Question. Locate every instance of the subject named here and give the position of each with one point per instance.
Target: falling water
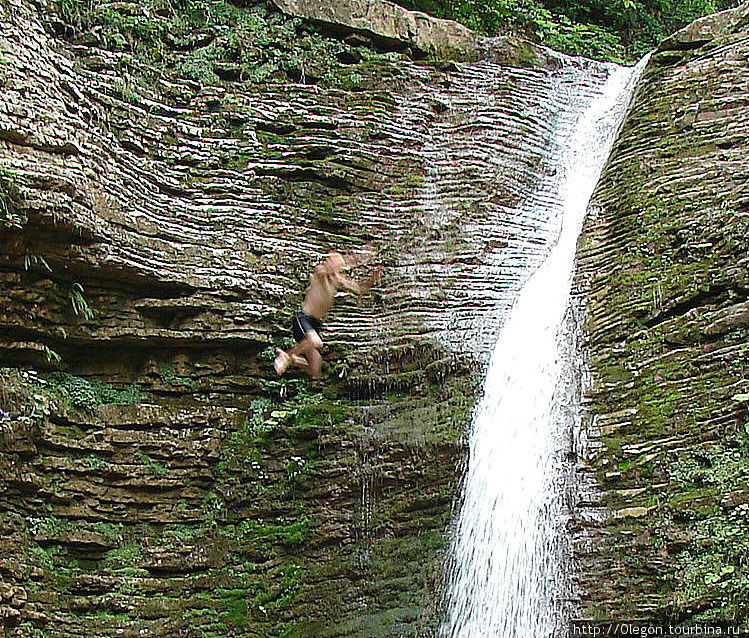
(507, 577)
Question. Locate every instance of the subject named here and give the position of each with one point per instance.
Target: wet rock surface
(663, 259)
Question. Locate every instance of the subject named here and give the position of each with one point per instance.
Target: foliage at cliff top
(217, 40)
(616, 30)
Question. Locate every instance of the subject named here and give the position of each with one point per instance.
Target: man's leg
(311, 340)
(314, 360)
(310, 343)
(308, 356)
(282, 361)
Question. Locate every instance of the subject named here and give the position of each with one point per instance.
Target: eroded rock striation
(665, 262)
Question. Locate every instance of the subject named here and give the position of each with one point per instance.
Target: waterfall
(508, 556)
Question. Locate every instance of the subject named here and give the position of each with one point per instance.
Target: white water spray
(507, 579)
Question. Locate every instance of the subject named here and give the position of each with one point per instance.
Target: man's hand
(362, 286)
(360, 258)
(373, 280)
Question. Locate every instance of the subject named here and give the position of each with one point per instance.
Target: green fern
(78, 302)
(10, 184)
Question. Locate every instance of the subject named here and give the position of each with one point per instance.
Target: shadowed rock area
(664, 261)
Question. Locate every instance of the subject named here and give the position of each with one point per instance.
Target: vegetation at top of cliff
(611, 29)
(216, 40)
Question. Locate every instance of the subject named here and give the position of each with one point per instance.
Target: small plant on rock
(78, 302)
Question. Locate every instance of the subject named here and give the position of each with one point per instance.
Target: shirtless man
(324, 282)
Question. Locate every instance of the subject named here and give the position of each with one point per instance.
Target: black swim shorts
(303, 323)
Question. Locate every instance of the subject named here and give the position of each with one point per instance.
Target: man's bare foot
(300, 360)
(282, 362)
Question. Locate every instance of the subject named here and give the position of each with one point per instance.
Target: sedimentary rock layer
(665, 264)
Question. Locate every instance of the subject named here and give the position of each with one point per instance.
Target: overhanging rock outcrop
(396, 27)
(389, 22)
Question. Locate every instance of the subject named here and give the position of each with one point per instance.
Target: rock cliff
(165, 191)
(664, 262)
(168, 179)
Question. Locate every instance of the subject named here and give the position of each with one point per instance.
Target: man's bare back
(324, 282)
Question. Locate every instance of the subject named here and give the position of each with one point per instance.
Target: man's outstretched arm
(359, 258)
(360, 287)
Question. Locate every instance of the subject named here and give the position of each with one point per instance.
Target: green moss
(96, 462)
(268, 137)
(159, 469)
(237, 608)
(302, 417)
(84, 394)
(277, 590)
(326, 213)
(286, 533)
(168, 375)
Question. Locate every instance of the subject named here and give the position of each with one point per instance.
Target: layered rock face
(156, 239)
(156, 235)
(665, 264)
